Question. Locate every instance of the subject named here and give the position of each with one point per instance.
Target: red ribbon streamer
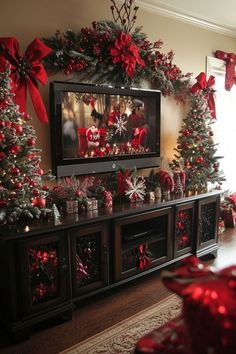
(205, 85)
(26, 71)
(230, 60)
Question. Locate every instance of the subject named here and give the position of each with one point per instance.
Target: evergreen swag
(22, 195)
(110, 53)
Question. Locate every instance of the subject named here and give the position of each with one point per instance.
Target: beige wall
(28, 19)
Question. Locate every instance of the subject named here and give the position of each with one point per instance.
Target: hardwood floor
(104, 311)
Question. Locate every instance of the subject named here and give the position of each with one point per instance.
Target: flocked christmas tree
(196, 151)
(21, 193)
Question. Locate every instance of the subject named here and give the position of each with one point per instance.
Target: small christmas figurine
(55, 212)
(179, 180)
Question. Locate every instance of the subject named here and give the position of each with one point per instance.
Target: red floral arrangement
(110, 52)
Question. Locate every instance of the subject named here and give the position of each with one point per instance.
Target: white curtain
(225, 126)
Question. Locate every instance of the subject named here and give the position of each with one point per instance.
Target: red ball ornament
(31, 142)
(8, 124)
(26, 117)
(2, 155)
(15, 171)
(199, 159)
(45, 188)
(18, 128)
(211, 133)
(18, 185)
(39, 202)
(3, 203)
(15, 149)
(78, 193)
(33, 183)
(27, 179)
(2, 137)
(40, 172)
(36, 193)
(2, 124)
(186, 146)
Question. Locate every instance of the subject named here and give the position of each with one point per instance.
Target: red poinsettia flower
(127, 52)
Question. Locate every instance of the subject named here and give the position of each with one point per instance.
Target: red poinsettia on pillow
(125, 51)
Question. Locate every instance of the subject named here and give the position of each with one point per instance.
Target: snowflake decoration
(120, 124)
(135, 188)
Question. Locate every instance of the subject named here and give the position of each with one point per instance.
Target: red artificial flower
(127, 52)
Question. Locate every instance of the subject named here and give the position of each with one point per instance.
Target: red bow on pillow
(205, 85)
(26, 71)
(230, 60)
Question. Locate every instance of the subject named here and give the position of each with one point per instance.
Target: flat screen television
(96, 129)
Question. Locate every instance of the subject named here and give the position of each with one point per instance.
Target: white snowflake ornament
(135, 188)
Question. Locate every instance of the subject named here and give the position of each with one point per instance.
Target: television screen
(95, 129)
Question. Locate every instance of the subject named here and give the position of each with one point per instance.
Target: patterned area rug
(121, 338)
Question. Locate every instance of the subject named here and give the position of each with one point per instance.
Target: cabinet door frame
(205, 247)
(104, 261)
(117, 251)
(189, 249)
(23, 246)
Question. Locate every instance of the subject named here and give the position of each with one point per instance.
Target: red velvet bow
(27, 70)
(230, 60)
(206, 86)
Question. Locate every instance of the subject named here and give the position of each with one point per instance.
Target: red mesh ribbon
(209, 304)
(26, 71)
(205, 85)
(143, 258)
(230, 60)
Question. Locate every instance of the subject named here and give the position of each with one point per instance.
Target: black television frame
(62, 167)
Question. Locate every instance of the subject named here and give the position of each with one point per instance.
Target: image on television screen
(98, 125)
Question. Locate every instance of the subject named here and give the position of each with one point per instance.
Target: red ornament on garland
(199, 159)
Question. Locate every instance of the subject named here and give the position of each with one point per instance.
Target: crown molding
(150, 6)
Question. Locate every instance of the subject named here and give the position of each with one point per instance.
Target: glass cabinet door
(208, 214)
(43, 276)
(89, 255)
(184, 229)
(142, 242)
